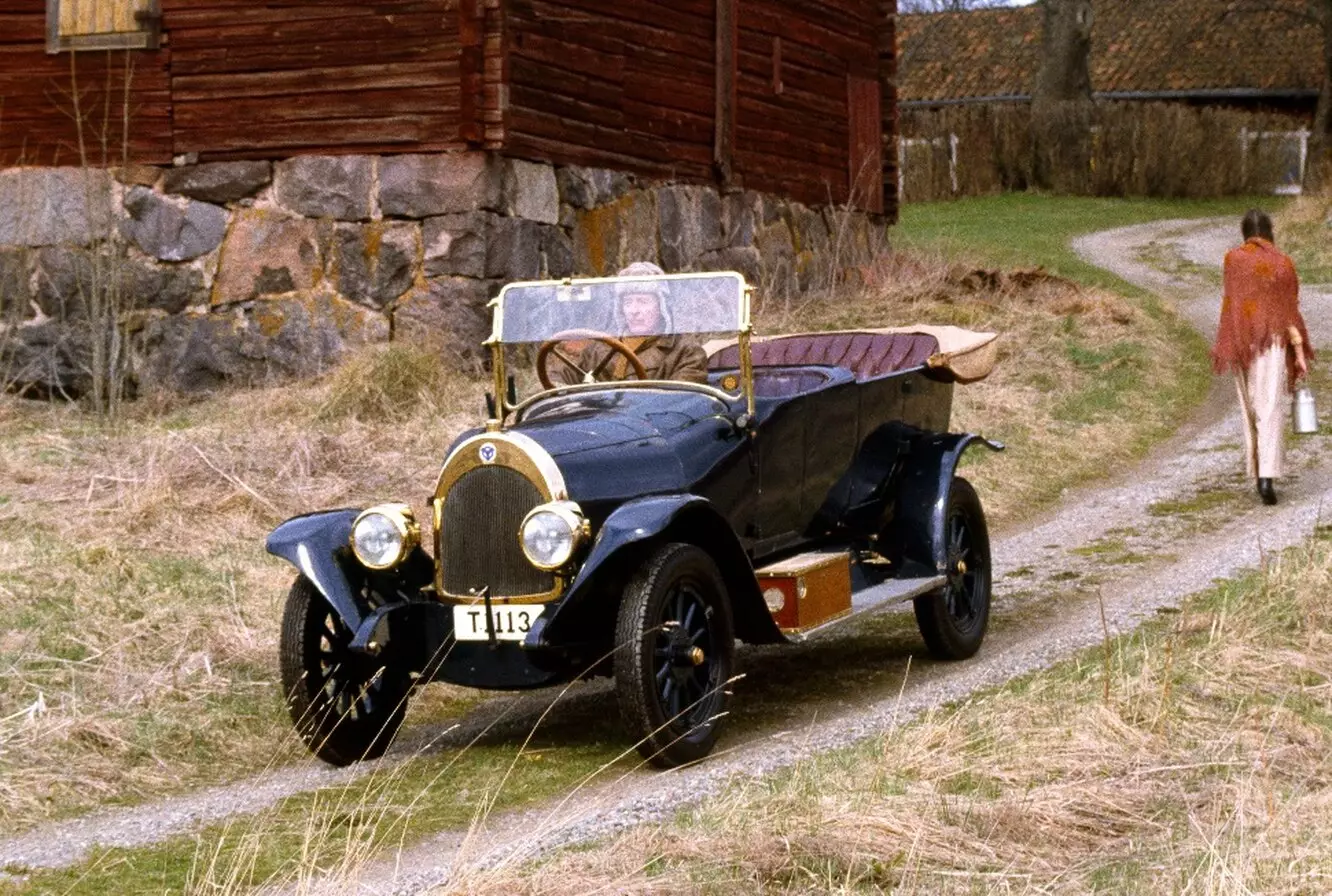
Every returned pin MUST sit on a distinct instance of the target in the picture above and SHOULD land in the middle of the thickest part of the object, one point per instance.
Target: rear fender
(637, 525)
(917, 529)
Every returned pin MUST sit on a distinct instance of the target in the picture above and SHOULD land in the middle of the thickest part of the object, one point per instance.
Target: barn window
(101, 24)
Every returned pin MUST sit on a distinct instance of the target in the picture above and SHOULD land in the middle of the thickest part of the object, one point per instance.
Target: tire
(346, 706)
(672, 698)
(953, 619)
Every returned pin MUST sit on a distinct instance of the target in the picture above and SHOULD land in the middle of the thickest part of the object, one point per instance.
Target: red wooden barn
(788, 97)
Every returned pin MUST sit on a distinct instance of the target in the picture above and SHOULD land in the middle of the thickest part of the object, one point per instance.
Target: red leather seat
(866, 355)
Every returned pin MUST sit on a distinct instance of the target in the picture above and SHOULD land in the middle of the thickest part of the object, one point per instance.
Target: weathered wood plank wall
(628, 84)
(891, 127)
(793, 132)
(294, 76)
(40, 96)
(632, 84)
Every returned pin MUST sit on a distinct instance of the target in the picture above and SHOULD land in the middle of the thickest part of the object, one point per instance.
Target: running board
(879, 597)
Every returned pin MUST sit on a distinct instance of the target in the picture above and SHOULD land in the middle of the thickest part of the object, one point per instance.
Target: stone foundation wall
(248, 271)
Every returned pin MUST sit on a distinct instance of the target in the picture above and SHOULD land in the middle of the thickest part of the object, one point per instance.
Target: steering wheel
(552, 347)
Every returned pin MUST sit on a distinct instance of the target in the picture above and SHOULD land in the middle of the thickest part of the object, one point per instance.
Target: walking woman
(1262, 339)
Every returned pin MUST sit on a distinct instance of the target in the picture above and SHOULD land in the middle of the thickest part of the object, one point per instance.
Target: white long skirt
(1263, 404)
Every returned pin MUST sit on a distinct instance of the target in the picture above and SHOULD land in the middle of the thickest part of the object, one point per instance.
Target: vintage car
(612, 524)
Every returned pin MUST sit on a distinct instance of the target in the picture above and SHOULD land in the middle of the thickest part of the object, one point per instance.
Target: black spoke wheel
(952, 620)
(347, 706)
(674, 654)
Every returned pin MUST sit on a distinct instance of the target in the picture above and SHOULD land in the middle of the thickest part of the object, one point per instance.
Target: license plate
(511, 623)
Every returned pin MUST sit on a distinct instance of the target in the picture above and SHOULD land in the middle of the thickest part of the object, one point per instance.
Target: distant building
(1263, 58)
(1232, 52)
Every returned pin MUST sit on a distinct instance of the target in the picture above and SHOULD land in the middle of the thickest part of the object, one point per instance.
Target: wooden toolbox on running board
(808, 589)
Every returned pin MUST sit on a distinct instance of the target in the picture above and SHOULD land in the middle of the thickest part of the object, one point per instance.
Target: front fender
(922, 500)
(686, 518)
(311, 543)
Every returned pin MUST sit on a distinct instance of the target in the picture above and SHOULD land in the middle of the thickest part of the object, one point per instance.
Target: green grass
(1026, 229)
(1208, 500)
(1117, 368)
(1111, 550)
(1167, 257)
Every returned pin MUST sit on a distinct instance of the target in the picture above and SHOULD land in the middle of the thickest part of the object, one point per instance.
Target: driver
(643, 319)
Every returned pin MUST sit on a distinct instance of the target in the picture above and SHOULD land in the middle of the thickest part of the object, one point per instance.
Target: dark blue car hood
(620, 444)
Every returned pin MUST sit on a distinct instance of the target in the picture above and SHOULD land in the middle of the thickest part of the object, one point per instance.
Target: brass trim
(743, 345)
(519, 453)
(500, 385)
(512, 449)
(746, 372)
(403, 519)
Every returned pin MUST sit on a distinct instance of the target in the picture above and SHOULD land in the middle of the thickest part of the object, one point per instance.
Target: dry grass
(1191, 758)
(139, 657)
(1304, 229)
(143, 611)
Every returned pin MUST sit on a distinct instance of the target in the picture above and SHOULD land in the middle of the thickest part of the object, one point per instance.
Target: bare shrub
(77, 347)
(1131, 149)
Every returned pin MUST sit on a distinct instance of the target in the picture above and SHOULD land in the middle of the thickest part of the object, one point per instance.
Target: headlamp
(384, 535)
(551, 533)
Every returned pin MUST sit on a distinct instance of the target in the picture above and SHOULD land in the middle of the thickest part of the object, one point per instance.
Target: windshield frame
(505, 405)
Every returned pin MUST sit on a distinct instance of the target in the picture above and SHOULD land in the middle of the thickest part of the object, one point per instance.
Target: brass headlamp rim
(579, 531)
(404, 521)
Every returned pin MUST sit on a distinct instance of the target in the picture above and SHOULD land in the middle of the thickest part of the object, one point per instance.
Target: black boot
(1266, 491)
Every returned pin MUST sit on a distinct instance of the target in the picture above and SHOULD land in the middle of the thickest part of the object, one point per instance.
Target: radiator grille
(479, 535)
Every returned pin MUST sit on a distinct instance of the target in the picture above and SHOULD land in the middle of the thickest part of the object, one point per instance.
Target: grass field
(999, 229)
(140, 656)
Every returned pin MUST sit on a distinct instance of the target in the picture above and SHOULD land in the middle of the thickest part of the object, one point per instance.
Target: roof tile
(1188, 46)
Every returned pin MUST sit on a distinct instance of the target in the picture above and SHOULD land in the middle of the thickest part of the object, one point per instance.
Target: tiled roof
(1173, 47)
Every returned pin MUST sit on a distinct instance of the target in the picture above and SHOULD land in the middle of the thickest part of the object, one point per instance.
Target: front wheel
(674, 654)
(346, 705)
(952, 620)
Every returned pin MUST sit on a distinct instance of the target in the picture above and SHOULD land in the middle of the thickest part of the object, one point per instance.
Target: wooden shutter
(865, 156)
(101, 24)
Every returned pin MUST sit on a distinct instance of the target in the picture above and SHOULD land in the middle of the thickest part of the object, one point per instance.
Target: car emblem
(488, 452)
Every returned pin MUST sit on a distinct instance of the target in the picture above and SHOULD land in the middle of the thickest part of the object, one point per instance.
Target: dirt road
(1139, 543)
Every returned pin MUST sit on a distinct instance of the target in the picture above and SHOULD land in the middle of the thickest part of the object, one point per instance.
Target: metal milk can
(1305, 415)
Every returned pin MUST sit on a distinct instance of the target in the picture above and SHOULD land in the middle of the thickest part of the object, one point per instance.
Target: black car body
(638, 528)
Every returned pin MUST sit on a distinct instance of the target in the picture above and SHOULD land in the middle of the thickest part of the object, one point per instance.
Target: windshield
(709, 303)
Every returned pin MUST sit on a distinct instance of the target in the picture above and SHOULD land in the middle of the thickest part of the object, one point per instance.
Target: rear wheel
(346, 705)
(953, 619)
(674, 655)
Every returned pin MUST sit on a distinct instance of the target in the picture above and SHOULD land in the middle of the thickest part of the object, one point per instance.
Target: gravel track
(1138, 544)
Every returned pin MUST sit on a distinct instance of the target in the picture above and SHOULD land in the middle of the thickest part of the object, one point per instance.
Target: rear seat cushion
(866, 355)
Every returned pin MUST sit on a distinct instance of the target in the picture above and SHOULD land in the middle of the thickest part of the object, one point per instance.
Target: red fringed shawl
(1260, 304)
